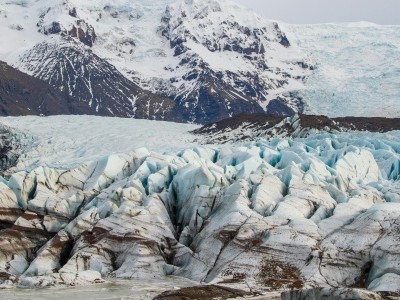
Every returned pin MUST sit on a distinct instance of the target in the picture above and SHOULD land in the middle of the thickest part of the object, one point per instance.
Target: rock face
(186, 61)
(285, 214)
(200, 61)
(210, 91)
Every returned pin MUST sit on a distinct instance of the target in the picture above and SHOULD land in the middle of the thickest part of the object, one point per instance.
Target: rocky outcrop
(84, 32)
(203, 292)
(283, 215)
(80, 30)
(53, 28)
(250, 127)
(49, 24)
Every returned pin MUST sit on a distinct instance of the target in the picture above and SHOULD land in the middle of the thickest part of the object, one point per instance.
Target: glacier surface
(271, 215)
(67, 141)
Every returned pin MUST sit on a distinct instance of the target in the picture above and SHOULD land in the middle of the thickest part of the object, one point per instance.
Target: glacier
(276, 214)
(68, 141)
(357, 68)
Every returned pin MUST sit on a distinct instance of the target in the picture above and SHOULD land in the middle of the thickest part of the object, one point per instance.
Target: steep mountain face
(71, 67)
(189, 61)
(200, 61)
(229, 61)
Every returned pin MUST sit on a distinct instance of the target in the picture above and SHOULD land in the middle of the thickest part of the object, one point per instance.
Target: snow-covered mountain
(200, 61)
(191, 61)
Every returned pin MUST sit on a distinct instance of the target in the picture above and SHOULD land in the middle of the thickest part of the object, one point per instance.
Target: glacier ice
(318, 211)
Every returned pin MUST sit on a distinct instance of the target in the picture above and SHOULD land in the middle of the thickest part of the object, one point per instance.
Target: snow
(28, 37)
(140, 199)
(358, 68)
(67, 141)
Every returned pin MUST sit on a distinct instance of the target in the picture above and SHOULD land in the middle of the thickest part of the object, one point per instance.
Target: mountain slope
(229, 58)
(66, 64)
(21, 94)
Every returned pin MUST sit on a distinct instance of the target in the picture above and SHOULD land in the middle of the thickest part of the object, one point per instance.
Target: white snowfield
(270, 215)
(67, 141)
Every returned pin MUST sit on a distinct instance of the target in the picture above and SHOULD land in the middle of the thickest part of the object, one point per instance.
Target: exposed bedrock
(284, 215)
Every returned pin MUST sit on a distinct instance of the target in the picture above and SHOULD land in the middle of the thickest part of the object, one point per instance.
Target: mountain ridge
(244, 127)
